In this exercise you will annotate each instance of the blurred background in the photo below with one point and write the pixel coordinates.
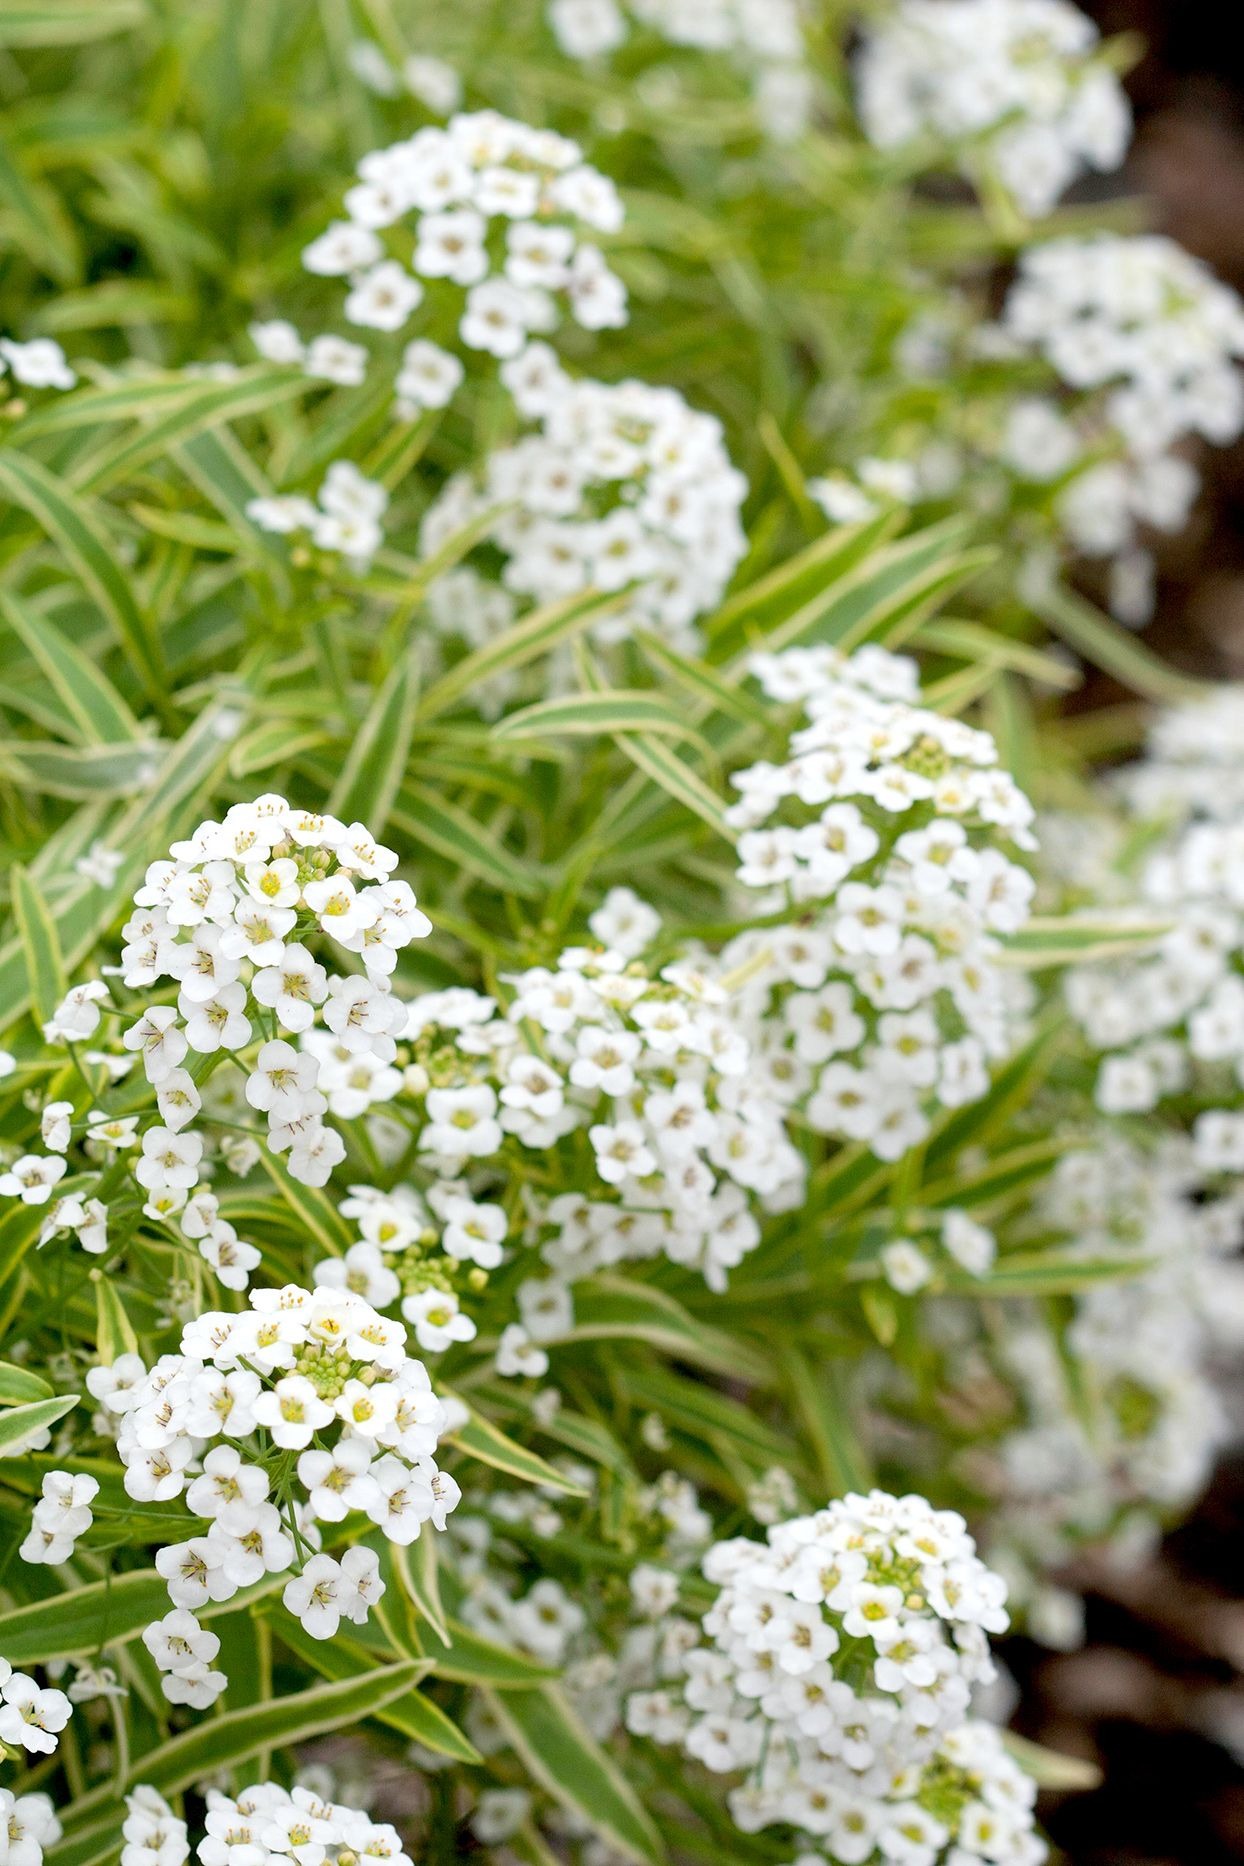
(1156, 1696)
(1188, 158)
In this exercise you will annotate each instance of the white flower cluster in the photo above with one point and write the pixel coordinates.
(436, 84)
(264, 1823)
(765, 37)
(1176, 1012)
(1139, 1438)
(39, 364)
(32, 1716)
(347, 517)
(1154, 341)
(316, 1374)
(497, 210)
(655, 1069)
(228, 917)
(840, 1660)
(1137, 315)
(28, 1824)
(62, 1514)
(620, 484)
(409, 1251)
(891, 998)
(1017, 88)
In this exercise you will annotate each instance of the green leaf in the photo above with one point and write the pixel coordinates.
(72, 526)
(18, 1384)
(1049, 1768)
(587, 715)
(470, 1659)
(527, 640)
(414, 1716)
(479, 1439)
(214, 1744)
(377, 759)
(20, 1424)
(81, 772)
(1080, 939)
(65, 22)
(825, 1413)
(45, 969)
(795, 585)
(424, 816)
(616, 1309)
(114, 1332)
(415, 1572)
(566, 1760)
(677, 780)
(79, 1622)
(1110, 647)
(316, 1215)
(1048, 1273)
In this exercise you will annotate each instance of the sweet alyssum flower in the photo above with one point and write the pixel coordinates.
(345, 517)
(264, 1821)
(620, 484)
(322, 1410)
(1014, 88)
(835, 1674)
(883, 997)
(486, 215)
(62, 1514)
(32, 1716)
(28, 1824)
(655, 1069)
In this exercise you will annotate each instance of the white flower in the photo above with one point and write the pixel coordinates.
(32, 1178)
(437, 1319)
(518, 1356)
(39, 364)
(292, 1412)
(31, 1717)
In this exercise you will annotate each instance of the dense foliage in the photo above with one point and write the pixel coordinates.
(615, 1142)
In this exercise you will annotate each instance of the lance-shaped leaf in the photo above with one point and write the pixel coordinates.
(566, 1760)
(588, 715)
(614, 1309)
(1080, 939)
(75, 529)
(45, 969)
(377, 758)
(19, 1425)
(491, 1445)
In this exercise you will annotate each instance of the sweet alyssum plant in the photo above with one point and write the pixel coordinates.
(602, 1174)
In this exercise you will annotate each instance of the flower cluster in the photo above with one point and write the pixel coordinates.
(654, 1070)
(496, 210)
(837, 1670)
(1151, 343)
(413, 1251)
(1139, 317)
(1174, 1015)
(323, 1412)
(228, 917)
(346, 517)
(765, 37)
(891, 999)
(62, 1514)
(1018, 90)
(1138, 1439)
(39, 364)
(28, 1824)
(263, 1822)
(621, 484)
